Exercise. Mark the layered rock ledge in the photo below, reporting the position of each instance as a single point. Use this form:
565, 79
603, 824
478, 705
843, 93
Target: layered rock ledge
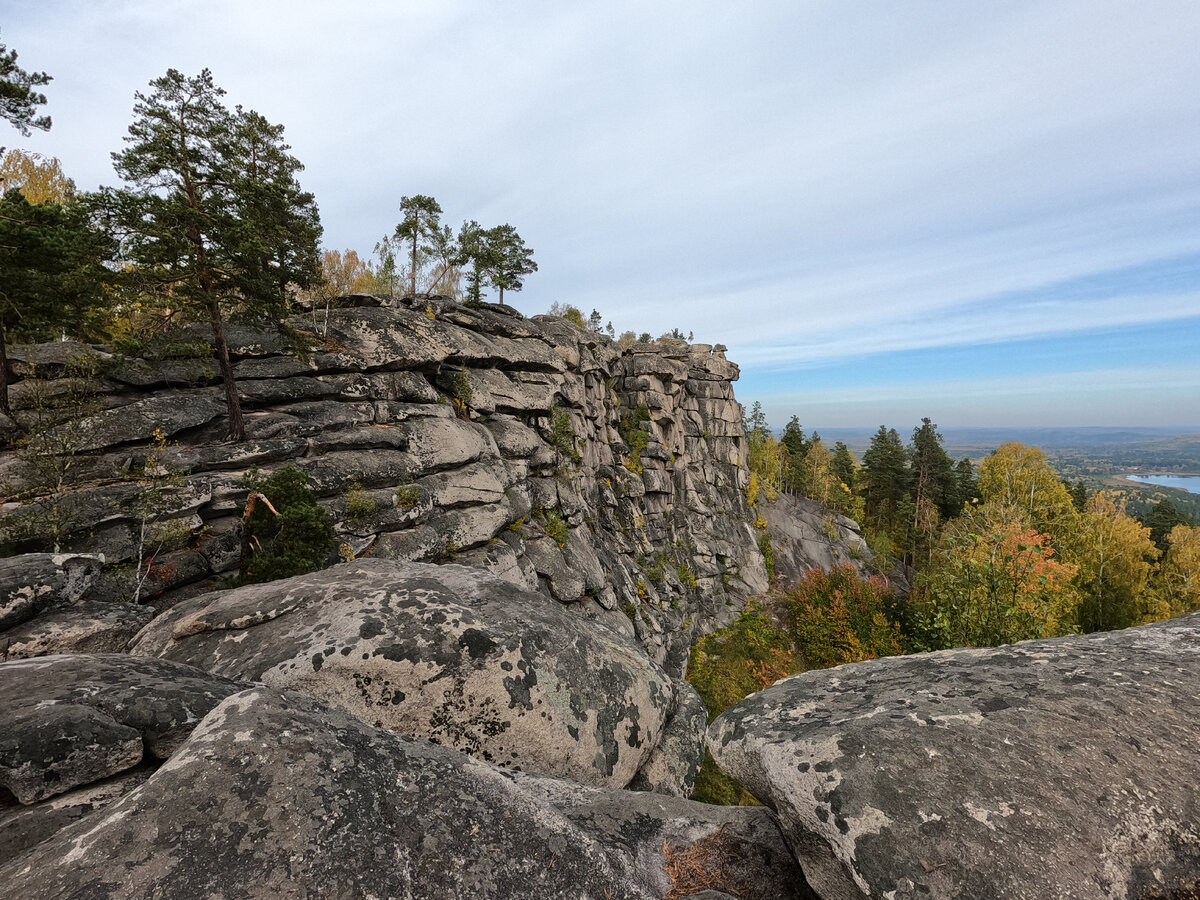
606, 478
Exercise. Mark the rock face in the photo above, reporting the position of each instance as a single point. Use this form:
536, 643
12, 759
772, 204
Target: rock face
275, 796
72, 720
539, 451
1060, 768
448, 653
806, 536
34, 582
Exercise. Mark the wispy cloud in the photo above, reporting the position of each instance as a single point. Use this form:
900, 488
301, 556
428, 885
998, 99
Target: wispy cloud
802, 182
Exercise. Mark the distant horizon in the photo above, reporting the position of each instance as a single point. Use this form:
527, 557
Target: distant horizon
984, 215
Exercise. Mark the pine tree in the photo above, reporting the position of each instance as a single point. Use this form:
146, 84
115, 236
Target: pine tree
474, 249
510, 260
884, 475
932, 471
213, 214
843, 465
419, 228
18, 99
52, 273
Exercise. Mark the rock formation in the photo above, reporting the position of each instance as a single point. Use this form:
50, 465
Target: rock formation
1060, 768
607, 479
274, 795
447, 653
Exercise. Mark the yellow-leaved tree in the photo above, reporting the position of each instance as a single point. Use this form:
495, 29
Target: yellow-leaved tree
1175, 586
1019, 478
1115, 554
993, 580
39, 178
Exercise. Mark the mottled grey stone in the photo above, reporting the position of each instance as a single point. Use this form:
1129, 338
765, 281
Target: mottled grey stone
83, 628
22, 827
673, 766
275, 796
444, 652
70, 720
1059, 768
34, 581
170, 412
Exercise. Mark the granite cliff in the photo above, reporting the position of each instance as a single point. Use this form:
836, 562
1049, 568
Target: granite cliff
607, 479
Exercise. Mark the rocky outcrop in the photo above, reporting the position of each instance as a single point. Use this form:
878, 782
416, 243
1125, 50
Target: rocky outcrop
608, 479
1060, 768
806, 535
33, 582
274, 796
72, 720
447, 653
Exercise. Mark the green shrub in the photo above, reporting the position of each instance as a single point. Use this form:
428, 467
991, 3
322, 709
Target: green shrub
553, 524
633, 432
714, 786
768, 552
297, 538
407, 495
460, 392
562, 434
727, 666
838, 617
358, 505
734, 662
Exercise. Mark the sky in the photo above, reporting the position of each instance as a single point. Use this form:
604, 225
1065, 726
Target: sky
986, 213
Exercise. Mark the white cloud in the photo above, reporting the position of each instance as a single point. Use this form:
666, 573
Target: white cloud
798, 181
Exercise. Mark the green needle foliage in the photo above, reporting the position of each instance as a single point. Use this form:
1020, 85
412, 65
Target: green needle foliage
213, 215
18, 99
299, 539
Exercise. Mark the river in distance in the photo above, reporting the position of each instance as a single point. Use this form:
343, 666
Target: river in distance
1189, 483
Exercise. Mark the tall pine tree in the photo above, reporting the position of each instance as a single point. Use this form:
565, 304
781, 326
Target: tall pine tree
213, 215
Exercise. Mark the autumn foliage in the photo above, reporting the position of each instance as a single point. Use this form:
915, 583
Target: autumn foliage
837, 617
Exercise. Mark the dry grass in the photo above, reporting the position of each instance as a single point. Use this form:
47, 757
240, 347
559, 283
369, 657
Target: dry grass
708, 864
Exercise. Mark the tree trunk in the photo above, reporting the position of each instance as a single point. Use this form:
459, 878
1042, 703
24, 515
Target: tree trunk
413, 274
237, 428
501, 296
4, 407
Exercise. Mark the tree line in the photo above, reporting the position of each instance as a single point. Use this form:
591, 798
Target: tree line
210, 222
431, 258
1002, 554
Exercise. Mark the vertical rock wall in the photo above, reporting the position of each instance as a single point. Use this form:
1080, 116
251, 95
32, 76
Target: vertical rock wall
608, 479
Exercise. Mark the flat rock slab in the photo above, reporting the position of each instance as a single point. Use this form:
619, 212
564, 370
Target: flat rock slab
71, 720
33, 581
447, 653
84, 628
1061, 768
276, 796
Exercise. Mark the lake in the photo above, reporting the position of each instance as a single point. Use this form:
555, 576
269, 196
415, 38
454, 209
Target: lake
1189, 483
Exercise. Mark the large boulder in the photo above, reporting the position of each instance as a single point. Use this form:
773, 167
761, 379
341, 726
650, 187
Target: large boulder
71, 720
448, 653
1060, 768
675, 763
274, 795
32, 582
84, 628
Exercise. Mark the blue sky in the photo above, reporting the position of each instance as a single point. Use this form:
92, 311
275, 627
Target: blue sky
985, 213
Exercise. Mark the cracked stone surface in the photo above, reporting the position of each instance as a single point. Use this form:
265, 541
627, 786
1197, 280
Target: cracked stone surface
275, 796
448, 653
1061, 768
70, 720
